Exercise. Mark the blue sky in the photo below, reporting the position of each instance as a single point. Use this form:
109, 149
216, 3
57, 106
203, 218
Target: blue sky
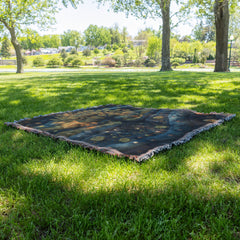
89, 13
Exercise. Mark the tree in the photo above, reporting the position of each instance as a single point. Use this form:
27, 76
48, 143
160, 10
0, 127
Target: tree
144, 35
124, 35
97, 36
63, 54
154, 48
51, 41
5, 49
115, 35
31, 41
144, 9
72, 38
15, 15
234, 25
205, 32
221, 10
165, 9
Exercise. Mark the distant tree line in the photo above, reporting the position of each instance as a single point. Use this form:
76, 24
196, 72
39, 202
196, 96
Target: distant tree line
93, 36
196, 48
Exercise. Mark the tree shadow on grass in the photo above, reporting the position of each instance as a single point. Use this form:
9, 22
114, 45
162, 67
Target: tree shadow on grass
70, 91
43, 205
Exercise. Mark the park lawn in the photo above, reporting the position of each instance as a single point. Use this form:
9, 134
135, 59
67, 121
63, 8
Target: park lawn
52, 190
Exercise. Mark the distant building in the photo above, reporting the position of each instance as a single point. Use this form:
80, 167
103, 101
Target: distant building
137, 43
82, 48
67, 48
48, 50
33, 52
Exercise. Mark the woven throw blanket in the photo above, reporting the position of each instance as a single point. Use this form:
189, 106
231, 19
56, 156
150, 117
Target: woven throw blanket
123, 130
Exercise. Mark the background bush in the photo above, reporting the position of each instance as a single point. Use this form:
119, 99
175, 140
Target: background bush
68, 60
38, 62
178, 60
115, 46
73, 61
24, 60
175, 64
150, 62
109, 62
63, 54
54, 62
74, 51
76, 62
96, 50
138, 62
86, 52
97, 62
119, 60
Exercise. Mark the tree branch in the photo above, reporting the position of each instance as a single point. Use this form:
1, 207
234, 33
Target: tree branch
5, 23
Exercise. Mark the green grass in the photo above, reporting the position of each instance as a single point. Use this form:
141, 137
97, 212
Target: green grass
52, 190
8, 67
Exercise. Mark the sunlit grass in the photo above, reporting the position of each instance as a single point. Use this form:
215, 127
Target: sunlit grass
52, 190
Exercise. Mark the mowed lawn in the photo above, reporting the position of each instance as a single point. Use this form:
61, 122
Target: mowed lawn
52, 190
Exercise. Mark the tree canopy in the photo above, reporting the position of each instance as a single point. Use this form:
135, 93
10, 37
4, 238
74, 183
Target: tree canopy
71, 38
5, 49
97, 36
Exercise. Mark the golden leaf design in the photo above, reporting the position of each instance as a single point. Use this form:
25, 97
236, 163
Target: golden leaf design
98, 138
124, 140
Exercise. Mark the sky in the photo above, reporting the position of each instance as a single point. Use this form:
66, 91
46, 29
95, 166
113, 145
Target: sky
88, 13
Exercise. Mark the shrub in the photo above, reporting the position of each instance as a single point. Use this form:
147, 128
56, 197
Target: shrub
68, 60
73, 61
38, 62
105, 52
119, 60
211, 57
131, 46
109, 61
195, 56
54, 62
154, 48
180, 54
24, 60
115, 46
126, 59
97, 62
86, 52
74, 51
96, 50
178, 60
138, 62
150, 62
109, 48
63, 54
76, 62
175, 64
125, 50
203, 59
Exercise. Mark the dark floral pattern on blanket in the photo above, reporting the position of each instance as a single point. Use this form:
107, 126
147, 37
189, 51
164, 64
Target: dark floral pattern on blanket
124, 130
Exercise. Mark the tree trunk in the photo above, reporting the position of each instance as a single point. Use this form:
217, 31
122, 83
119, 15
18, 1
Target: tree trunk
221, 12
17, 48
165, 8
